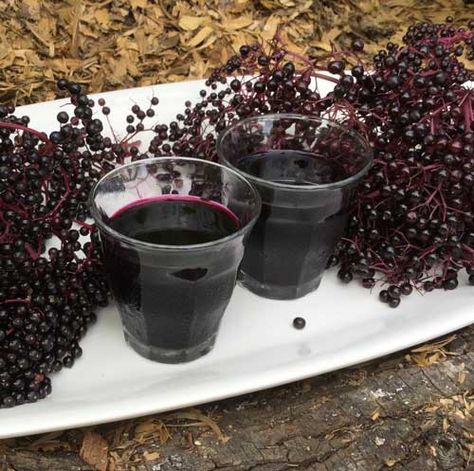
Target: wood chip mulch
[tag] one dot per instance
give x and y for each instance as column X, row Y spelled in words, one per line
column 112, row 44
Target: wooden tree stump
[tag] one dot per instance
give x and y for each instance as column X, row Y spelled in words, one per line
column 387, row 414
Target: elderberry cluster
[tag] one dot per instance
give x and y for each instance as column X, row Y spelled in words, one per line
column 412, row 221
column 47, row 294
column 51, row 275
column 276, row 87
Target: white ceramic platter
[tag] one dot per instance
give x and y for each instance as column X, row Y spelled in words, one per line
column 256, row 348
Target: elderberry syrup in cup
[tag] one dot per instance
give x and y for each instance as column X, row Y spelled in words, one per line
column 306, row 170
column 173, row 231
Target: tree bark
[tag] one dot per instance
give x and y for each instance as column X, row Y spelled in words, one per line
column 387, row 414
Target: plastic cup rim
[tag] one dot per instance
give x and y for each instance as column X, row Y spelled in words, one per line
column 285, row 186
column 104, row 227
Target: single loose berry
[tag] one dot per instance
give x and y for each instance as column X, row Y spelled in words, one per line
column 299, row 323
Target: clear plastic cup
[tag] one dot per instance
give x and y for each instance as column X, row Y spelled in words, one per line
column 305, row 169
column 173, row 232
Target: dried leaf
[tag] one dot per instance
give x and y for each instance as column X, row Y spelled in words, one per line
column 138, row 3
column 92, row 42
column 190, row 23
column 49, row 442
column 151, row 456
column 429, row 347
column 151, row 429
column 30, row 8
column 424, row 359
column 203, row 420
column 102, row 16
column 267, row 4
column 140, row 39
column 270, row 27
column 367, row 6
column 375, row 414
column 445, row 425
column 238, row 23
column 202, row 35
column 94, row 450
column 45, row 438
column 446, row 401
column 78, row 9
column 114, row 460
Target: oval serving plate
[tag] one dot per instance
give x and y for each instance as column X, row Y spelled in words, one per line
column 256, row 348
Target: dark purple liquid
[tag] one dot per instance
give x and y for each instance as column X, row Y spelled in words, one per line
column 295, row 234
column 171, row 299
column 172, row 220
column 292, row 167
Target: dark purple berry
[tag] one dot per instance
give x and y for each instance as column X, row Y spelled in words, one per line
column 384, row 296
column 394, row 302
column 299, row 323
